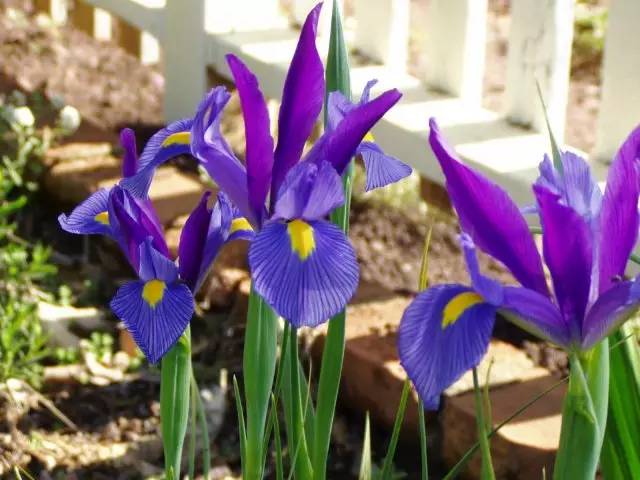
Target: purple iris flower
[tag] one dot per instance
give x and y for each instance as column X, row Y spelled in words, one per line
column 586, row 245
column 381, row 169
column 158, row 306
column 301, row 264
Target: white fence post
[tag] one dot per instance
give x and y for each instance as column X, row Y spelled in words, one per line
column 540, row 40
column 95, row 22
column 620, row 95
column 184, row 57
column 382, row 31
column 454, row 46
column 56, row 9
column 138, row 43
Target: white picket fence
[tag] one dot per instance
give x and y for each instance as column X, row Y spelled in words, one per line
column 507, row 146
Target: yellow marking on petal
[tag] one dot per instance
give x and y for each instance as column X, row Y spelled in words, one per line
column 102, row 218
column 240, row 224
column 302, row 241
column 368, row 137
column 153, row 292
column 457, row 306
column 182, row 138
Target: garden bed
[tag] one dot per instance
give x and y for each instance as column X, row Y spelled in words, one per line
column 118, row 423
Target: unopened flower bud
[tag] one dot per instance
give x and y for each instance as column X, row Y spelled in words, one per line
column 22, row 116
column 69, row 119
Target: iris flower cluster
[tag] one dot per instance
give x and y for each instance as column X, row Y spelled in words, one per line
column 301, row 264
column 587, row 240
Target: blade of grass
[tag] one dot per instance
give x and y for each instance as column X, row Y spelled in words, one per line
column 276, row 438
column 204, row 431
column 338, row 79
column 365, row 461
column 487, row 464
column 192, row 438
column 242, row 431
column 388, row 459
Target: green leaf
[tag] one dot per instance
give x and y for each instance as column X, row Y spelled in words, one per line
column 242, row 431
column 202, row 422
column 174, row 402
column 259, row 364
column 276, row 435
column 338, row 79
column 620, row 457
column 584, row 415
column 365, row 461
column 487, row 464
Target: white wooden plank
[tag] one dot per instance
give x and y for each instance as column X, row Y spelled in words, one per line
column 540, row 40
column 382, row 31
column 620, row 94
column 147, row 15
column 225, row 16
column 454, row 46
column 184, row 57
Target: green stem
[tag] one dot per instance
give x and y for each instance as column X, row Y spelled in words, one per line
column 487, row 464
column 423, row 441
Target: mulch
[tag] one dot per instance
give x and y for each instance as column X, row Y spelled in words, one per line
column 111, row 89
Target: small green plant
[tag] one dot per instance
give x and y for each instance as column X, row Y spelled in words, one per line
column 101, row 345
column 24, row 268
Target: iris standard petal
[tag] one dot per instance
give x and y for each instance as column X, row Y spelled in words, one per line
column 611, row 309
column 581, row 191
column 259, row 155
column 381, row 169
column 91, row 217
column 489, row 216
column 309, row 192
column 302, row 99
column 192, row 241
column 489, row 289
column 337, row 107
column 217, row 234
column 130, row 158
column 443, row 333
column 215, row 155
column 536, row 314
column 569, row 257
column 339, row 146
column 619, row 214
column 155, row 313
column 306, row 271
column 171, row 141
column 154, row 265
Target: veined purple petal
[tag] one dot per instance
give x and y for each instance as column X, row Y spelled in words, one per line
column 131, row 226
column 306, row 271
column 130, row 158
column 610, row 311
column 490, row 290
column 536, row 314
column 568, row 252
column 214, row 153
column 259, row 156
column 155, row 313
column 339, row 146
column 619, row 214
column 154, row 265
column 337, row 107
column 382, row 169
column 309, row 192
column 302, row 99
column 91, row 217
column 489, row 216
column 164, row 145
column 443, row 333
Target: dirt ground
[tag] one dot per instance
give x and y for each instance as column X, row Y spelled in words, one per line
column 112, row 90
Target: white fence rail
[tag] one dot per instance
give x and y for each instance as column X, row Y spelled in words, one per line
column 507, row 146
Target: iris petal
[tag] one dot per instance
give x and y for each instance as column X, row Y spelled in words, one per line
column 443, row 333
column 171, row 141
column 130, row 159
column 382, row 169
column 619, row 215
column 259, row 155
column 536, row 314
column 310, row 191
column 339, row 146
column 302, row 99
column 156, row 314
column 215, row 155
column 611, row 310
column 569, row 257
column 90, row 217
column 489, row 215
column 306, row 271
column 154, row 265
